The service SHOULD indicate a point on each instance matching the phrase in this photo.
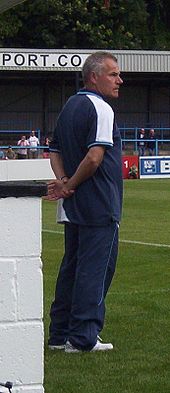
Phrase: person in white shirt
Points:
(33, 142)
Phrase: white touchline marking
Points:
(121, 241)
(145, 244)
(51, 231)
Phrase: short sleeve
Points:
(101, 125)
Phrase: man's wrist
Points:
(62, 177)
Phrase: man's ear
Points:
(93, 77)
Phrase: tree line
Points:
(89, 24)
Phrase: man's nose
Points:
(120, 80)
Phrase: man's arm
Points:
(57, 165)
(87, 167)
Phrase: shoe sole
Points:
(102, 349)
(70, 350)
(95, 350)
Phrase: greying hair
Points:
(94, 62)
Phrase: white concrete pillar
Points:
(21, 291)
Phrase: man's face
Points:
(108, 81)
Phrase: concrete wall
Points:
(21, 290)
(38, 169)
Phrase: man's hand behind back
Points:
(58, 189)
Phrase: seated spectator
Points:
(141, 144)
(10, 154)
(33, 142)
(151, 143)
(22, 152)
(2, 154)
(133, 172)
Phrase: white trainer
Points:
(56, 347)
(98, 347)
(102, 346)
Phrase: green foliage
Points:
(125, 24)
(9, 26)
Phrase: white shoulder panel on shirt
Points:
(105, 119)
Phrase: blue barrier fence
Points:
(130, 138)
(135, 143)
(161, 132)
(126, 132)
(22, 132)
(24, 147)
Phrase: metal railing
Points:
(135, 145)
(22, 132)
(136, 142)
(160, 131)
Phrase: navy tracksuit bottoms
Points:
(78, 310)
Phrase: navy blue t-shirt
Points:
(87, 120)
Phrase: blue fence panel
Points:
(135, 142)
(23, 132)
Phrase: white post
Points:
(21, 292)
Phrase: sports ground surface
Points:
(137, 306)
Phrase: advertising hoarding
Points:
(154, 167)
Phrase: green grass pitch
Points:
(137, 305)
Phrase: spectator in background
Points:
(46, 150)
(141, 143)
(133, 172)
(33, 142)
(151, 143)
(10, 154)
(22, 152)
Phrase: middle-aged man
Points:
(85, 156)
